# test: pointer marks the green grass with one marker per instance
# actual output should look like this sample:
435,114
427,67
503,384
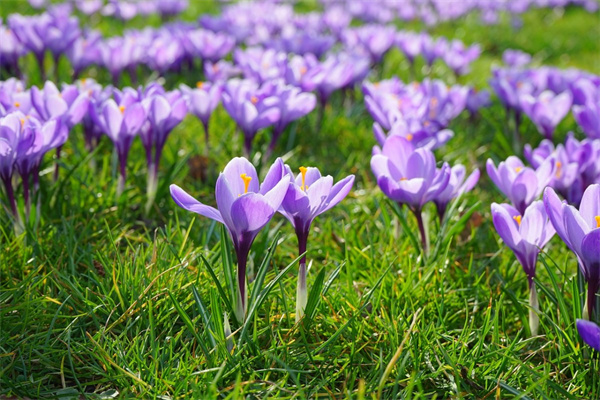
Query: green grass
100,298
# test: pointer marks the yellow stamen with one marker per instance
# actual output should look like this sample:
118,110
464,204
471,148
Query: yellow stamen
434,101
403,179
597,218
409,137
558,169
254,99
17,104
199,84
518,219
83,80
303,172
426,124
518,169
22,121
246,180
122,109
303,70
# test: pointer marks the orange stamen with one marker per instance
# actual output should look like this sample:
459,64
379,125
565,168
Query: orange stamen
246,180
518,219
303,172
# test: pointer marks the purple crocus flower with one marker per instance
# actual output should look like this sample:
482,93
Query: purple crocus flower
520,184
68,105
459,57
293,105
36,139
220,71
202,101
580,230
165,110
477,99
458,184
410,44
376,40
589,332
525,234
10,130
409,176
23,142
588,118
567,178
208,45
10,51
261,65
84,52
413,131
303,72
245,206
547,110
32,32
515,58
122,122
309,195
251,107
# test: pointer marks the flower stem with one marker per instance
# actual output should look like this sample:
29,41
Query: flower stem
419,216
301,292
534,309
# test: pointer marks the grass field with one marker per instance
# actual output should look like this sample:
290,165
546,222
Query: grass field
101,299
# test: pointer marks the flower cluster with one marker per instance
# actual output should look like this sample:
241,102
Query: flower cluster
245,206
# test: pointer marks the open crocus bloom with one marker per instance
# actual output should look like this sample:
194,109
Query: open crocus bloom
408,175
580,230
589,332
547,110
458,184
245,206
525,235
308,196
520,184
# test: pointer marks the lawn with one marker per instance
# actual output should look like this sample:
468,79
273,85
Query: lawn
104,300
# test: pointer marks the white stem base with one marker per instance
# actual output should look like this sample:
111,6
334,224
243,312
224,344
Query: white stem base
534,309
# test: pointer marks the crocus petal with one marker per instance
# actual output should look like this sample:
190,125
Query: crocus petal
576,227
505,224
590,250
590,206
339,191
187,202
251,213
589,332
234,170
275,174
